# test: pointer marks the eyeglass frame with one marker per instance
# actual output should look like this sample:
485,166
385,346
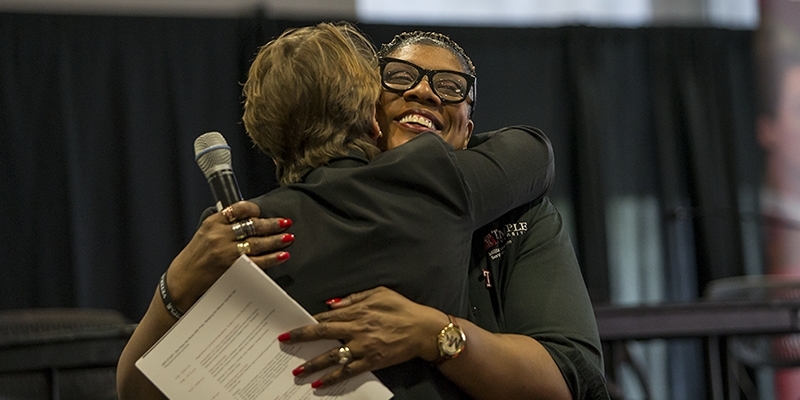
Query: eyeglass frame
430,73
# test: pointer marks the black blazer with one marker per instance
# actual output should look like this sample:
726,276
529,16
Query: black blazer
405,221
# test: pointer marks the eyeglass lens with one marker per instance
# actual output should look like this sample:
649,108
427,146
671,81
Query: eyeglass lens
448,86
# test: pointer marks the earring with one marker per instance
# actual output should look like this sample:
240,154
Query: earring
380,134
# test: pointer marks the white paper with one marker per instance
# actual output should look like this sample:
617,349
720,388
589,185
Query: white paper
226,347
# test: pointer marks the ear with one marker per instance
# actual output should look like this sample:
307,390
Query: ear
375,133
470,126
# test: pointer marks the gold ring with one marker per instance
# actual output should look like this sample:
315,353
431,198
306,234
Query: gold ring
228,213
345,355
244,247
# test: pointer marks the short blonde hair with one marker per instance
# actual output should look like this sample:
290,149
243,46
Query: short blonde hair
310,96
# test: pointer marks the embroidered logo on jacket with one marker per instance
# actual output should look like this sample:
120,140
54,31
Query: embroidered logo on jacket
516,229
493,238
496,240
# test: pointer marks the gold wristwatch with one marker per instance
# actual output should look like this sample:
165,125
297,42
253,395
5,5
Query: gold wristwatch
452,341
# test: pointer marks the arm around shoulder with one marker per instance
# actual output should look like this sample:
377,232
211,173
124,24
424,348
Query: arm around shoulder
506,169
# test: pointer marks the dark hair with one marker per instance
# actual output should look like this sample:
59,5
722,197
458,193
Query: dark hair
433,39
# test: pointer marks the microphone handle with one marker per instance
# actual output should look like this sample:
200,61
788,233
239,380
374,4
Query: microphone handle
225,188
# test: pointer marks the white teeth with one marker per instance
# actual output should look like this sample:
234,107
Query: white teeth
418,119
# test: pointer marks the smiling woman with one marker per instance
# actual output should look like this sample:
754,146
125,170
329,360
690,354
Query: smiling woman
531,333
443,107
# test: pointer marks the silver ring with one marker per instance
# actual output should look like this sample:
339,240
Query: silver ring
243,229
345,355
244,247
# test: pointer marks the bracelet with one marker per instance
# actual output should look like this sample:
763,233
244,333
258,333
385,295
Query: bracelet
162,289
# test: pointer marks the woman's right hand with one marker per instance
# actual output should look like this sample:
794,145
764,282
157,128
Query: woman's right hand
380,326
214,247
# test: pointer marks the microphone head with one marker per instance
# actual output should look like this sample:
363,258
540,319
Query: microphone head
212,153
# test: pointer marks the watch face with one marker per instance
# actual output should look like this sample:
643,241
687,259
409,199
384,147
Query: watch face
452,340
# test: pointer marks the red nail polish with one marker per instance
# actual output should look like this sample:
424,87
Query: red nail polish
333,301
285,223
284,336
288,237
316,384
282,256
299,370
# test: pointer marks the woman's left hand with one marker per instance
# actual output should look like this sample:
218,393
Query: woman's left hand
380,327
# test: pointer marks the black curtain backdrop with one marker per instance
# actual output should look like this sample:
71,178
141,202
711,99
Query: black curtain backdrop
98,115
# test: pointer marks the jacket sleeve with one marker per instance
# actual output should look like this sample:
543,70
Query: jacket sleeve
513,166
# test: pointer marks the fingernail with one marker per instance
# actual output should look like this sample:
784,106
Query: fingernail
316,384
299,370
333,301
288,237
284,337
284,255
285,223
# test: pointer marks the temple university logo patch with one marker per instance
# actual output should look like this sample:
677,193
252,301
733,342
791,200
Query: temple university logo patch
496,240
493,238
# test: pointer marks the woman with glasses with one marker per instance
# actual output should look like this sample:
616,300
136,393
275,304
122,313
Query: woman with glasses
531,332
402,219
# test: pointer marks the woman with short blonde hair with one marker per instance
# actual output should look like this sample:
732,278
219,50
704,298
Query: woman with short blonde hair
310,96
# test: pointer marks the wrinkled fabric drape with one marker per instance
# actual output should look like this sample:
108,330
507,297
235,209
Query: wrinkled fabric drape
99,116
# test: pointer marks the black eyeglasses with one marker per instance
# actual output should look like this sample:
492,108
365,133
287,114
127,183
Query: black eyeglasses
399,76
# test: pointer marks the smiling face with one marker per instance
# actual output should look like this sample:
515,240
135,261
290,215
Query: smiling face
402,116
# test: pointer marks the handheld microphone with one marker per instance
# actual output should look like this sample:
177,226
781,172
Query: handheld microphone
213,156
